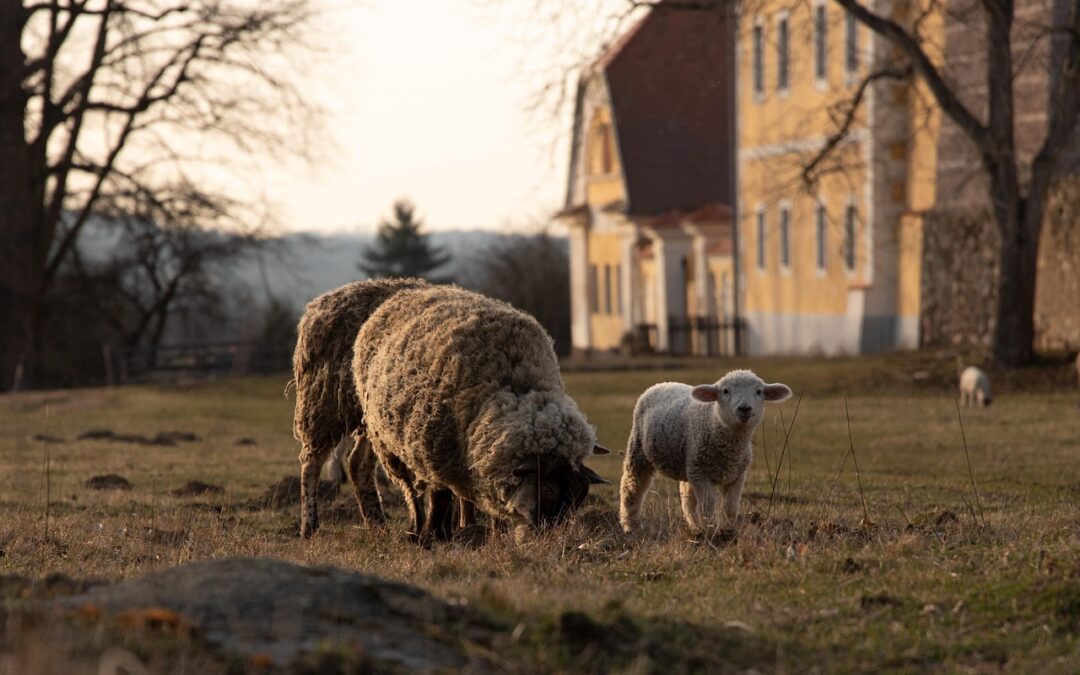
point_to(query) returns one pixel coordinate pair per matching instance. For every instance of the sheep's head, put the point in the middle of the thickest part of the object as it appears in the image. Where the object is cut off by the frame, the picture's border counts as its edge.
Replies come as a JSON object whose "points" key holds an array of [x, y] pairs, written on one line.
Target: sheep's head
{"points": [[983, 397], [740, 397], [548, 488]]}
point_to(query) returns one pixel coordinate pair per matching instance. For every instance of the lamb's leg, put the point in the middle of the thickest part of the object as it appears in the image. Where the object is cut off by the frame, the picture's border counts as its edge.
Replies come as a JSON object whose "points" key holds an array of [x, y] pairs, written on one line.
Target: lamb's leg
{"points": [[403, 478], [637, 476], [705, 495], [733, 497], [689, 505], [362, 462], [311, 461]]}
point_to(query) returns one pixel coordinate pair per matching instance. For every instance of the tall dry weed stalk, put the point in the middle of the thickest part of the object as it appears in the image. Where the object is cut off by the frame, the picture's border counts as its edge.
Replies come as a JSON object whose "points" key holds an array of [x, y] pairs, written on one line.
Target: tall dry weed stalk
{"points": [[967, 456], [783, 452]]}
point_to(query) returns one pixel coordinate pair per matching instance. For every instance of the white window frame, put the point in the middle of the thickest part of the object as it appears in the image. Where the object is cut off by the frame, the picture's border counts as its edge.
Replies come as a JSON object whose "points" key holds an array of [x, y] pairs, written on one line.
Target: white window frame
{"points": [[757, 59], [761, 237], [784, 236], [821, 238], [820, 81], [783, 89]]}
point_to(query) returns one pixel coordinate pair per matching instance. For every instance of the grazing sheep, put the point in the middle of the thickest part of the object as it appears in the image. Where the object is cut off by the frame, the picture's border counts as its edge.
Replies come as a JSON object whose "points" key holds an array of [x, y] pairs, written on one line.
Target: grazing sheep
{"points": [[462, 397], [700, 436], [326, 406], [974, 387]]}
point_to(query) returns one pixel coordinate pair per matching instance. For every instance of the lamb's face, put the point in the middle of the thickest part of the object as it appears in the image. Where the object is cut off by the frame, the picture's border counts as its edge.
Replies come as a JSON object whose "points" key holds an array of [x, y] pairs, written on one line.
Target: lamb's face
{"points": [[740, 398], [548, 489]]}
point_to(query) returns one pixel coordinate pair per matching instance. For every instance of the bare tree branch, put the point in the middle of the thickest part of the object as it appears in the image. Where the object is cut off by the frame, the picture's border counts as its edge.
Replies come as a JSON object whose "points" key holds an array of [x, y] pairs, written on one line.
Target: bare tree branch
{"points": [[850, 108], [945, 96]]}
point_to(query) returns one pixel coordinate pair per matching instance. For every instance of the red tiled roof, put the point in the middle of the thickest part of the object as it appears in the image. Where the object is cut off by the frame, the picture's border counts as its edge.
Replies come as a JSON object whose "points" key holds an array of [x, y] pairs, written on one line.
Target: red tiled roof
{"points": [[719, 247], [669, 79], [669, 219], [714, 213]]}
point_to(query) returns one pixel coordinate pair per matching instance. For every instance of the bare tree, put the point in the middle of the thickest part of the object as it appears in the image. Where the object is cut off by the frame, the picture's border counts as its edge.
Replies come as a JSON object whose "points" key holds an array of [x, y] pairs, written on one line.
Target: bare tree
{"points": [[532, 273], [156, 263], [102, 99]]}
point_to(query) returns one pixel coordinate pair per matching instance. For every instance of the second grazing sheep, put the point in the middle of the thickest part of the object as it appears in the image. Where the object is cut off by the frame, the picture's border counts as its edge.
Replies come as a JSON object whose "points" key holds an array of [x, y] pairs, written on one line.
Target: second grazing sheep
{"points": [[462, 397], [326, 408], [700, 436], [975, 387]]}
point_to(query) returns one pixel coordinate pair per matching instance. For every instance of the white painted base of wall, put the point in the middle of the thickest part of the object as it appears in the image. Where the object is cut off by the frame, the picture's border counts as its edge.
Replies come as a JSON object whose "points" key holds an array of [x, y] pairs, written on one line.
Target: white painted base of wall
{"points": [[773, 333], [907, 332]]}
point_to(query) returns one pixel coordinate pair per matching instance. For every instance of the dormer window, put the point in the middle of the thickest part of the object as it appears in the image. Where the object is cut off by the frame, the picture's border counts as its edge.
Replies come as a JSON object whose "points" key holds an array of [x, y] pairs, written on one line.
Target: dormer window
{"points": [[601, 150]]}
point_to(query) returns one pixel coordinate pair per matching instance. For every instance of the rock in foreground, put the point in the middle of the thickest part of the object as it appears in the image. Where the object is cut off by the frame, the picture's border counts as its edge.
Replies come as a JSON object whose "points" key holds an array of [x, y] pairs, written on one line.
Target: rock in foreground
{"points": [[261, 609]]}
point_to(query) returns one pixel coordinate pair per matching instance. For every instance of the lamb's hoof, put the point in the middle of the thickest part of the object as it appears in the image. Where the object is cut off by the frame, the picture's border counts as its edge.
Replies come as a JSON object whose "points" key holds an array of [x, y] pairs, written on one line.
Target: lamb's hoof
{"points": [[471, 536], [715, 537]]}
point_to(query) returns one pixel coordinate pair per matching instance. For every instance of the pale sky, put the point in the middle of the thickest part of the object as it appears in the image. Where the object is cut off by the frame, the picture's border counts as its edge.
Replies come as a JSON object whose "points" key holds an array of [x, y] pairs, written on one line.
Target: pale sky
{"points": [[427, 100]]}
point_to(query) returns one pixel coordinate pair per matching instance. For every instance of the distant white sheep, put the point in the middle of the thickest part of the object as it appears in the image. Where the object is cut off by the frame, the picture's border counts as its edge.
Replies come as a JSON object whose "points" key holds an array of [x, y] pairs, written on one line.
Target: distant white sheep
{"points": [[974, 387], [701, 437]]}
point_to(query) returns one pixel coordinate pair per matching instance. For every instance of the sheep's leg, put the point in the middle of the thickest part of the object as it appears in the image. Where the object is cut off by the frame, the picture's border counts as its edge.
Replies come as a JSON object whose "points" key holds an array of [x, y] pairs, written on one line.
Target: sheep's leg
{"points": [[733, 497], [439, 524], [403, 478], [637, 476], [466, 513], [362, 462], [311, 461], [689, 505]]}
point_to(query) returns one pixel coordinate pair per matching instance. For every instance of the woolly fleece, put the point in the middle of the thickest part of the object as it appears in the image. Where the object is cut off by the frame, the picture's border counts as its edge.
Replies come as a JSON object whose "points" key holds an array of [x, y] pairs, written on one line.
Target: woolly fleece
{"points": [[698, 443], [460, 389]]}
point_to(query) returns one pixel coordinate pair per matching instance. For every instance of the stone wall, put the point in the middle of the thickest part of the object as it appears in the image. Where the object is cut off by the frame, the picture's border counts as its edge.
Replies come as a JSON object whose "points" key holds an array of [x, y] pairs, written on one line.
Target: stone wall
{"points": [[958, 291]]}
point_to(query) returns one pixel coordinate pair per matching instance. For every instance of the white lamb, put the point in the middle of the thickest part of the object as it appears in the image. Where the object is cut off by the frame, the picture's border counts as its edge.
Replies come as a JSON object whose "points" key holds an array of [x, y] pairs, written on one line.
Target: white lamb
{"points": [[701, 437], [974, 387]]}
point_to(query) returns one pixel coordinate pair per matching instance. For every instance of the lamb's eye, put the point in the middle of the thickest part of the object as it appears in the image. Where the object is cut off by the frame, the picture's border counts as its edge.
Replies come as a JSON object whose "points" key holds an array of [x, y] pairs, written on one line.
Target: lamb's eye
{"points": [[759, 392], [727, 392]]}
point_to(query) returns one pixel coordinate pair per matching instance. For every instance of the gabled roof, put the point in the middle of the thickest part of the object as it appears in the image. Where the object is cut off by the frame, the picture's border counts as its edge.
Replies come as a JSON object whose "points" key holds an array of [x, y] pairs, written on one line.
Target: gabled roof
{"points": [[669, 80]]}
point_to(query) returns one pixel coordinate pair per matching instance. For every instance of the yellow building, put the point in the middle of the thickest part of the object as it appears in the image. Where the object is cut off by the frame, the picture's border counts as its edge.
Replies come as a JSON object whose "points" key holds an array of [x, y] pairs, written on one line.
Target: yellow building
{"points": [[830, 252], [648, 204]]}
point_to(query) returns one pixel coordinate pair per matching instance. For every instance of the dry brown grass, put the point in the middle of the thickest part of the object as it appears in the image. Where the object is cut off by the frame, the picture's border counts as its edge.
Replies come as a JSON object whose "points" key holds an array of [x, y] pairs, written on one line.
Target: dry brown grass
{"points": [[919, 581]]}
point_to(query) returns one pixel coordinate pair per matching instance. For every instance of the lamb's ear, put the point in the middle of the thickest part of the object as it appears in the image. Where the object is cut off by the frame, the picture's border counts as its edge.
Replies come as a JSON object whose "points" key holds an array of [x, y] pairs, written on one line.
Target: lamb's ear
{"points": [[598, 449], [706, 393], [777, 392], [594, 478]]}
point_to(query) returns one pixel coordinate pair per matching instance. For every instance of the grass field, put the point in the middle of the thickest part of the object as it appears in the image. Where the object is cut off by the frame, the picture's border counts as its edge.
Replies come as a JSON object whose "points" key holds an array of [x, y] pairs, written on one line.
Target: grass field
{"points": [[912, 571]]}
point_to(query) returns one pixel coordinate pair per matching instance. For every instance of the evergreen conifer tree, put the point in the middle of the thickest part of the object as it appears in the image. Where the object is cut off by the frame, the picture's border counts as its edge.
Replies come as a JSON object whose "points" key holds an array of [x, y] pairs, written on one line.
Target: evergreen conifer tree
{"points": [[401, 250]]}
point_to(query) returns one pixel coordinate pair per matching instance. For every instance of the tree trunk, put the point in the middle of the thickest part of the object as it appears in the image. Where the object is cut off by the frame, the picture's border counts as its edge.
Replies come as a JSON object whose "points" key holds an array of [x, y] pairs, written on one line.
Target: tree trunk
{"points": [[1014, 329], [20, 279]]}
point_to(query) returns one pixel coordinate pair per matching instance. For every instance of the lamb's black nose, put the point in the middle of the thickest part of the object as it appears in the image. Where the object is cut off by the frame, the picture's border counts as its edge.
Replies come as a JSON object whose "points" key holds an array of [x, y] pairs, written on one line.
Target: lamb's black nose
{"points": [[745, 410]]}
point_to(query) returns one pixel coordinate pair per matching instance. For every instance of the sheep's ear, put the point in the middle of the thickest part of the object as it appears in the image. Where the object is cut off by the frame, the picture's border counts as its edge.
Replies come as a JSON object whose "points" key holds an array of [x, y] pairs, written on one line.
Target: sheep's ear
{"points": [[706, 393], [594, 478], [526, 468], [777, 392], [598, 449]]}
